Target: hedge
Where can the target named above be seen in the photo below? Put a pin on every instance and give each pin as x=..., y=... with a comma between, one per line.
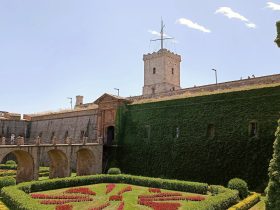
x=7, y=181
x=17, y=198
x=247, y=203
x=239, y=185
x=172, y=139
x=273, y=188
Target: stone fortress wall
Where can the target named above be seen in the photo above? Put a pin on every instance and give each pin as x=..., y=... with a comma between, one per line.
x=225, y=86
x=74, y=125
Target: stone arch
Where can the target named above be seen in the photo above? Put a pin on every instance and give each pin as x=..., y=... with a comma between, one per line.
x=59, y=164
x=85, y=162
x=25, y=165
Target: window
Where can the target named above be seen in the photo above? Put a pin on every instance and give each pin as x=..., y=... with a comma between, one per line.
x=52, y=136
x=147, y=131
x=253, y=129
x=154, y=70
x=172, y=71
x=153, y=90
x=66, y=135
x=210, y=131
x=40, y=134
x=82, y=135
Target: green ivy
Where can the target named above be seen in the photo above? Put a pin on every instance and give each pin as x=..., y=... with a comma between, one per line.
x=193, y=155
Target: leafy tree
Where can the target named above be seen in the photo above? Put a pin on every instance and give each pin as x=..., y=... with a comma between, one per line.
x=273, y=189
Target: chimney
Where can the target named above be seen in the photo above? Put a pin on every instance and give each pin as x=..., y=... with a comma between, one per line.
x=79, y=100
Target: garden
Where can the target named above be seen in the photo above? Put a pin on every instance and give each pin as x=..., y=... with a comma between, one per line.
x=124, y=192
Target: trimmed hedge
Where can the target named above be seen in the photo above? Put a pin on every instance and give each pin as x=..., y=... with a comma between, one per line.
x=273, y=188
x=7, y=181
x=239, y=185
x=114, y=171
x=172, y=138
x=247, y=203
x=17, y=198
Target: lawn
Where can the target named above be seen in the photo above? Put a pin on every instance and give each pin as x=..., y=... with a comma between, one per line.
x=129, y=197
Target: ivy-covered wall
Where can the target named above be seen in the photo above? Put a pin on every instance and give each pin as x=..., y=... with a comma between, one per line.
x=207, y=138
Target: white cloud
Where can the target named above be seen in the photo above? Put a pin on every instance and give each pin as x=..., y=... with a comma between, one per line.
x=190, y=24
x=157, y=33
x=228, y=12
x=251, y=25
x=273, y=6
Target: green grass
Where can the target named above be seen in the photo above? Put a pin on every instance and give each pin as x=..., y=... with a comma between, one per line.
x=130, y=198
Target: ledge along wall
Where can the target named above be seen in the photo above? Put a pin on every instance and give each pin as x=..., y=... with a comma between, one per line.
x=205, y=138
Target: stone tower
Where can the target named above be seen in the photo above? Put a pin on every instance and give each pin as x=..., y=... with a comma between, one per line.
x=161, y=72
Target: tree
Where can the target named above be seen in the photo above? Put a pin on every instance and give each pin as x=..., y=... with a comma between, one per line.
x=277, y=40
x=273, y=189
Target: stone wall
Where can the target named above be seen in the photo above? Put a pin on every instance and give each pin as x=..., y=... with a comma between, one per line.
x=16, y=127
x=75, y=125
x=242, y=83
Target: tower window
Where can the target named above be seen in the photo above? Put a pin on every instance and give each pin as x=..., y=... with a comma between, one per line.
x=253, y=129
x=172, y=70
x=52, y=136
x=153, y=90
x=154, y=70
x=82, y=135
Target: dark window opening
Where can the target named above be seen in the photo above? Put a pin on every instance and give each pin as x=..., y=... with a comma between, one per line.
x=110, y=135
x=154, y=70
x=253, y=129
x=66, y=135
x=52, y=136
x=210, y=131
x=147, y=131
x=153, y=90
x=82, y=135
x=172, y=71
x=40, y=134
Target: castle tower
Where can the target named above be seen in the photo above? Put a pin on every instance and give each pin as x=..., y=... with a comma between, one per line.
x=161, y=69
x=161, y=72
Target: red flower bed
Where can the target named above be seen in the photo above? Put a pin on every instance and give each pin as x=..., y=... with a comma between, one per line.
x=109, y=188
x=81, y=190
x=63, y=201
x=115, y=198
x=44, y=196
x=165, y=194
x=103, y=206
x=195, y=198
x=154, y=190
x=64, y=207
x=160, y=206
x=121, y=206
x=126, y=189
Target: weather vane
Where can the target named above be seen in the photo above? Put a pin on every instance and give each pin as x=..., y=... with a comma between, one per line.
x=161, y=35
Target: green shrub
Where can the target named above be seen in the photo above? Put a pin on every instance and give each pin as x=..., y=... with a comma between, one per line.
x=10, y=162
x=7, y=181
x=239, y=185
x=247, y=203
x=4, y=166
x=273, y=189
x=114, y=171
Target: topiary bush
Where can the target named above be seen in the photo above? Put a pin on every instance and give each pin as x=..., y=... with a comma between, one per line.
x=7, y=181
x=10, y=162
x=239, y=185
x=114, y=171
x=273, y=189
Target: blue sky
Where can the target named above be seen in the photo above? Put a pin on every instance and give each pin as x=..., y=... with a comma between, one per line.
x=51, y=50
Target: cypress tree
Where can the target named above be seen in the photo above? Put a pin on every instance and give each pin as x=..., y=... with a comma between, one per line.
x=273, y=189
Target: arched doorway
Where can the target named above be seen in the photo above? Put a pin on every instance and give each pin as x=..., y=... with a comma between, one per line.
x=110, y=135
x=25, y=165
x=59, y=165
x=85, y=162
